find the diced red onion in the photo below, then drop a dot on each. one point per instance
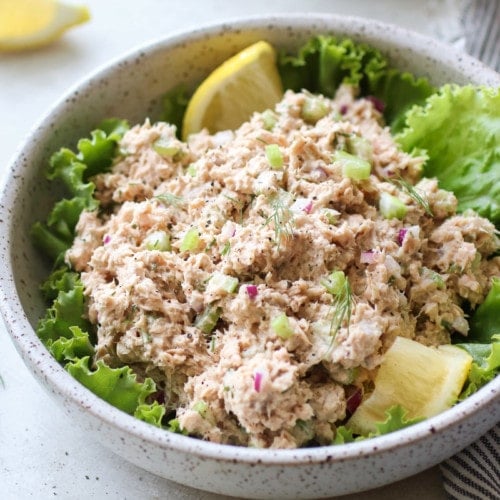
(367, 257)
(401, 236)
(377, 103)
(106, 239)
(257, 381)
(229, 230)
(302, 205)
(354, 400)
(343, 109)
(307, 209)
(252, 291)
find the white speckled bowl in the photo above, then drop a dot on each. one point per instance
(130, 88)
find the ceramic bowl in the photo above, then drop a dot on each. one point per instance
(130, 87)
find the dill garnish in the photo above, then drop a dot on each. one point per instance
(171, 199)
(413, 193)
(281, 216)
(338, 286)
(239, 204)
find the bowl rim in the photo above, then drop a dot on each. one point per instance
(39, 360)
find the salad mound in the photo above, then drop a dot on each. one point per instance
(245, 286)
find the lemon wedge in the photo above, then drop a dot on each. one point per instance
(247, 82)
(26, 24)
(423, 380)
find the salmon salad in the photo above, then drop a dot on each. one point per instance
(259, 275)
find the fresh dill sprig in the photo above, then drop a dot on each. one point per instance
(171, 199)
(239, 204)
(338, 286)
(413, 193)
(281, 216)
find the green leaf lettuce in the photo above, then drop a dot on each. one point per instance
(459, 128)
(325, 62)
(117, 386)
(94, 155)
(485, 365)
(396, 420)
(67, 309)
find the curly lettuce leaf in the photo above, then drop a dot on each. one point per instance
(94, 155)
(66, 311)
(174, 105)
(151, 413)
(60, 280)
(459, 128)
(325, 62)
(485, 365)
(484, 345)
(64, 330)
(175, 426)
(47, 242)
(396, 420)
(344, 435)
(56, 236)
(117, 386)
(485, 322)
(71, 348)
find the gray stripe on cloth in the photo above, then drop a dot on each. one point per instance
(481, 24)
(474, 473)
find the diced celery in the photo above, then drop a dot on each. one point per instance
(192, 170)
(226, 249)
(281, 326)
(166, 147)
(274, 156)
(191, 240)
(269, 119)
(352, 166)
(335, 282)
(224, 282)
(201, 407)
(332, 216)
(207, 320)
(158, 240)
(313, 109)
(391, 207)
(360, 147)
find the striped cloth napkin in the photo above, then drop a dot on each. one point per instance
(474, 473)
(481, 27)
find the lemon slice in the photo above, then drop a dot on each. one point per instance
(423, 380)
(243, 84)
(26, 24)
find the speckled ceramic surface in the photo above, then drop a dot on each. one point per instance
(130, 88)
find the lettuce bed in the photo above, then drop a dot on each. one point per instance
(457, 128)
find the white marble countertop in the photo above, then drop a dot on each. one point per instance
(41, 455)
